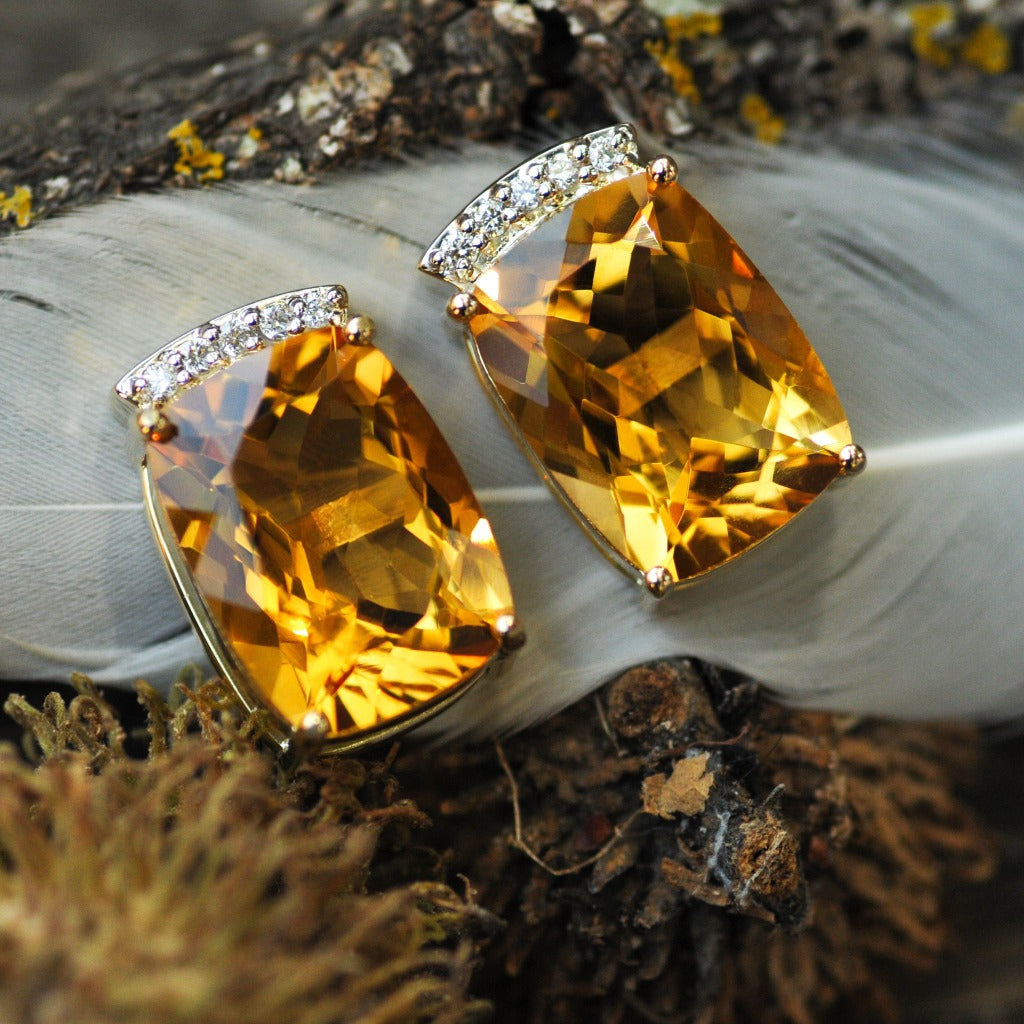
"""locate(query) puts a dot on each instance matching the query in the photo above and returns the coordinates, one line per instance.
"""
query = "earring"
(322, 536)
(656, 379)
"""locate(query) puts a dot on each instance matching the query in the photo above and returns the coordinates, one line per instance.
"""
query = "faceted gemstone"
(332, 536)
(658, 378)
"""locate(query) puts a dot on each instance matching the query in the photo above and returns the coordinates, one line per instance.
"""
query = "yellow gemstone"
(660, 381)
(332, 536)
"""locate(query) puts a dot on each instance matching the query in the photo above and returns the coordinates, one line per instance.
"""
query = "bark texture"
(385, 77)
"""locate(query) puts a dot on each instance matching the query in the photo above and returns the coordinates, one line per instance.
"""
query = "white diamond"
(563, 173)
(524, 193)
(161, 380)
(604, 153)
(487, 217)
(237, 334)
(279, 319)
(199, 355)
(319, 309)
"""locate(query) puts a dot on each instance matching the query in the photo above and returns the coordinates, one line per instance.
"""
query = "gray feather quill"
(900, 592)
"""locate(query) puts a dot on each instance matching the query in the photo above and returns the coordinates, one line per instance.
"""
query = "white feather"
(899, 592)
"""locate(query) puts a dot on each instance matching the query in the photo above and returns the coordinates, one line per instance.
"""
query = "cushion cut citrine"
(330, 533)
(658, 378)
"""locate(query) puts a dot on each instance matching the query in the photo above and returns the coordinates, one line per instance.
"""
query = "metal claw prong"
(852, 460)
(307, 738)
(154, 425)
(462, 306)
(360, 330)
(314, 726)
(662, 170)
(658, 581)
(510, 634)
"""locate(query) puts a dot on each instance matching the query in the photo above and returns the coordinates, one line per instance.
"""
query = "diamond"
(160, 380)
(658, 378)
(320, 307)
(280, 319)
(199, 355)
(238, 335)
(563, 172)
(525, 195)
(606, 153)
(336, 545)
(524, 198)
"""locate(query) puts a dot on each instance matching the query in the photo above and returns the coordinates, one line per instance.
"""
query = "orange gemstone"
(658, 378)
(332, 537)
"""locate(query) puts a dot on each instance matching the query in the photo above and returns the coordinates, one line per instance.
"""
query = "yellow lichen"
(193, 156)
(928, 21)
(17, 206)
(988, 48)
(768, 126)
(692, 26)
(680, 27)
(678, 71)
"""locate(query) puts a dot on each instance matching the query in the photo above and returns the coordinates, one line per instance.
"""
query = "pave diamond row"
(527, 196)
(227, 338)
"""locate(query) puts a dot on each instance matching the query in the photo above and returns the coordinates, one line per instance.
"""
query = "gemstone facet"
(657, 377)
(333, 541)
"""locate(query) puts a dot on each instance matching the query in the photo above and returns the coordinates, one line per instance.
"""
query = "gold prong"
(360, 330)
(307, 739)
(314, 725)
(658, 581)
(155, 426)
(852, 460)
(662, 170)
(510, 634)
(462, 306)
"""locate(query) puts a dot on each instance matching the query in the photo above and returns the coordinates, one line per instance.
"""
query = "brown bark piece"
(783, 864)
(685, 791)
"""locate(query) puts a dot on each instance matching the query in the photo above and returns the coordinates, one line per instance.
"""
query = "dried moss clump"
(678, 848)
(202, 884)
(682, 849)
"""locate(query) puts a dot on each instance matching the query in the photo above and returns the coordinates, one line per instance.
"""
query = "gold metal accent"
(663, 170)
(155, 426)
(510, 633)
(853, 460)
(312, 733)
(462, 306)
(658, 581)
(360, 330)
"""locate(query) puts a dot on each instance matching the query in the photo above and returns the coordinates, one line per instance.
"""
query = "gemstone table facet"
(657, 377)
(331, 534)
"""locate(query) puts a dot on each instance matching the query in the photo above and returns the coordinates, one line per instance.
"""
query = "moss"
(203, 883)
(678, 847)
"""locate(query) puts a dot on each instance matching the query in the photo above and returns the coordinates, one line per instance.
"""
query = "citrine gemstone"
(334, 541)
(658, 378)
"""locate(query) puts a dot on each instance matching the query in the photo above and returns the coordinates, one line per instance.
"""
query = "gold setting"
(325, 544)
(654, 376)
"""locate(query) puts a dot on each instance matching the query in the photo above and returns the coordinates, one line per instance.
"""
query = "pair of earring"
(324, 540)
